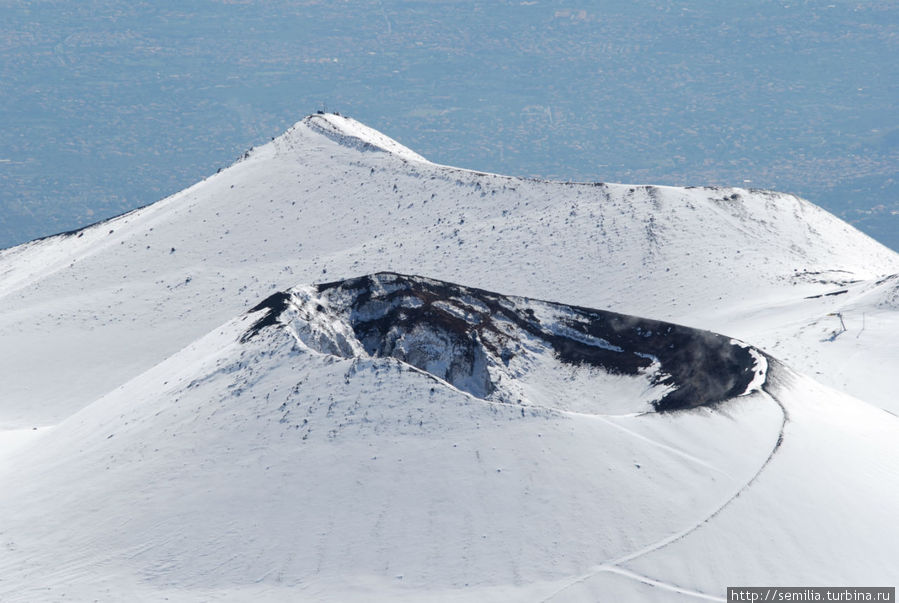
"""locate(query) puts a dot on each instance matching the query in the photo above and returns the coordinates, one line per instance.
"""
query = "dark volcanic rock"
(465, 335)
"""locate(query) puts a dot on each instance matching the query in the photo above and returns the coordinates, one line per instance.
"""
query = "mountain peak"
(348, 132)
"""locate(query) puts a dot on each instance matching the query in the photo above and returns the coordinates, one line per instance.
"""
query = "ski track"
(663, 585)
(614, 566)
(613, 569)
(652, 442)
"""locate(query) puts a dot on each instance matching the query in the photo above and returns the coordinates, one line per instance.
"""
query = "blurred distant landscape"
(109, 105)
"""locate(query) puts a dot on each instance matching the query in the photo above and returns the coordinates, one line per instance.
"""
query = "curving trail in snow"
(687, 531)
(615, 565)
(614, 569)
(658, 584)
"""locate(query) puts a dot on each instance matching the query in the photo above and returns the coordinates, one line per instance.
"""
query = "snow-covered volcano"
(400, 438)
(180, 420)
(516, 350)
(82, 312)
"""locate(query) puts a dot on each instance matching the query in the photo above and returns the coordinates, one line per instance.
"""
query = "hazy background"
(108, 105)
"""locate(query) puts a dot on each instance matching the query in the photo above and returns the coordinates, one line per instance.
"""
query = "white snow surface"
(147, 452)
(267, 470)
(349, 132)
(81, 314)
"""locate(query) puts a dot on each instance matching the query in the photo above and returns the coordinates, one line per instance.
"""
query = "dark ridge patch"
(810, 276)
(832, 294)
(820, 272)
(275, 304)
(79, 232)
(703, 368)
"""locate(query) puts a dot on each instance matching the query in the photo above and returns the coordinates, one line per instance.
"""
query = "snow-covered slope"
(83, 312)
(403, 438)
(317, 449)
